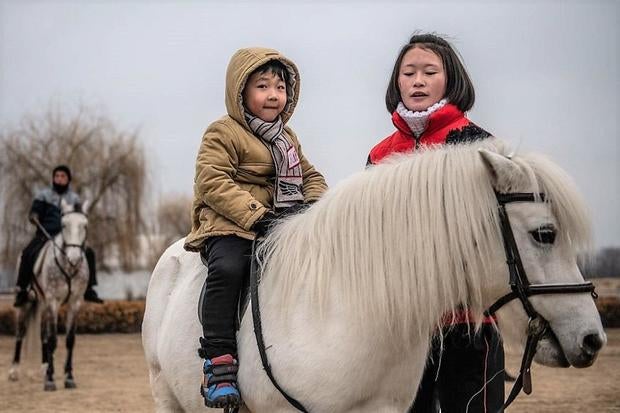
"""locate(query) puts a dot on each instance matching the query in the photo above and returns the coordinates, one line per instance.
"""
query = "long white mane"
(405, 239)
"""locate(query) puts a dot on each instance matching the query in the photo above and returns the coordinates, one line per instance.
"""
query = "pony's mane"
(404, 240)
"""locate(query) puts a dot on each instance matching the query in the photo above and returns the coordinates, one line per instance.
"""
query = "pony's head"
(74, 230)
(549, 236)
(401, 244)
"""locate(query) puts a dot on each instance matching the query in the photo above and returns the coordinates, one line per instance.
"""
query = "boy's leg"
(90, 294)
(472, 377)
(26, 265)
(228, 262)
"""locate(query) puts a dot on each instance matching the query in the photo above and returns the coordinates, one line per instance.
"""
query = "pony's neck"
(396, 246)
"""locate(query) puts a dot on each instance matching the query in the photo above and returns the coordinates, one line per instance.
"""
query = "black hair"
(459, 88)
(273, 66)
(62, 168)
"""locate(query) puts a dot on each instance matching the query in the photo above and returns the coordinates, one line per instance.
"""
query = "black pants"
(456, 377)
(92, 266)
(228, 261)
(29, 257)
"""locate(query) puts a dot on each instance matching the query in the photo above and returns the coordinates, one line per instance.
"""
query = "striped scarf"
(289, 180)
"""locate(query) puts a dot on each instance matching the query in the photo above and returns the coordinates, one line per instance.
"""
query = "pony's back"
(170, 323)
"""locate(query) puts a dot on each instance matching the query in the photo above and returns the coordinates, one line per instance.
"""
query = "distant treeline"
(605, 263)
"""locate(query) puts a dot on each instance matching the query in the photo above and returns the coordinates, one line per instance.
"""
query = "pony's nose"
(592, 343)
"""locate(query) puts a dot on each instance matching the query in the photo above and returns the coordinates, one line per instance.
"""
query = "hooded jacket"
(235, 173)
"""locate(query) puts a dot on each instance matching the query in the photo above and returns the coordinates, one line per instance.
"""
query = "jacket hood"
(241, 66)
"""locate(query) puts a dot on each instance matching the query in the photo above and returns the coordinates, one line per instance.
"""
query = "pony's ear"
(85, 206)
(504, 172)
(65, 207)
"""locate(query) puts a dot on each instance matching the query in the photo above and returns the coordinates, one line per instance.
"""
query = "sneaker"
(21, 298)
(91, 295)
(219, 384)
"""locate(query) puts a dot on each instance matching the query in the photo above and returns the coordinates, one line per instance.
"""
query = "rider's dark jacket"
(46, 206)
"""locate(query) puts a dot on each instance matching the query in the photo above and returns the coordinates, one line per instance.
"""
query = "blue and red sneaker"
(219, 384)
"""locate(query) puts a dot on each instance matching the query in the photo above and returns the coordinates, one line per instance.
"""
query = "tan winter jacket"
(234, 182)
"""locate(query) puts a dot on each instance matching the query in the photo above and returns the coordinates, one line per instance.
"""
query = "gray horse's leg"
(70, 342)
(20, 332)
(43, 342)
(50, 342)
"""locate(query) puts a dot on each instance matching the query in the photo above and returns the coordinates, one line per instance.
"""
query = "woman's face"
(421, 79)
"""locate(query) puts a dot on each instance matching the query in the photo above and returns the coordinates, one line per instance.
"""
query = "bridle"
(522, 289)
(74, 268)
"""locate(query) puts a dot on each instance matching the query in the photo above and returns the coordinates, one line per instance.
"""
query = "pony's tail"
(32, 339)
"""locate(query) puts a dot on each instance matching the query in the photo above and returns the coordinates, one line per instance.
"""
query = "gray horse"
(61, 277)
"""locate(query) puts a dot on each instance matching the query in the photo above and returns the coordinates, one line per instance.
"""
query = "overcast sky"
(546, 75)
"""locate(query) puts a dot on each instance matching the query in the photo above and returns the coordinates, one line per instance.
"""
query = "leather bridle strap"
(258, 330)
(75, 268)
(540, 289)
(518, 277)
(536, 328)
(522, 289)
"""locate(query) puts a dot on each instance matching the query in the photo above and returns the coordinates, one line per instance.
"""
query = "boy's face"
(264, 95)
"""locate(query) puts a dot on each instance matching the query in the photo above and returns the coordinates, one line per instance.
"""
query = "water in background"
(123, 285)
(115, 285)
(7, 281)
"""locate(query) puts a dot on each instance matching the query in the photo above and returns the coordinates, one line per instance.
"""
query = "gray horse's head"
(74, 231)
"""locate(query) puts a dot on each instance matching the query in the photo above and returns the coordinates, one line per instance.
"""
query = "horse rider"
(46, 214)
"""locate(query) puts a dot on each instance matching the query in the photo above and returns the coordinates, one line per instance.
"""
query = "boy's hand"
(293, 209)
(262, 226)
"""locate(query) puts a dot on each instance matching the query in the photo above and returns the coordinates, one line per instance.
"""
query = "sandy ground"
(112, 377)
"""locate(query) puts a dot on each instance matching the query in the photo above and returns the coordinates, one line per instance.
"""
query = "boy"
(249, 170)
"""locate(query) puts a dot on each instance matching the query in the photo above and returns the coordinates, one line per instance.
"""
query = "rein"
(522, 289)
(258, 330)
(74, 267)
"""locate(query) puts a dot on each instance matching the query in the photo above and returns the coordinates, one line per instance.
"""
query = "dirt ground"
(112, 377)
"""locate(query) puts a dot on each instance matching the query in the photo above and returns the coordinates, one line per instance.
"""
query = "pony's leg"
(165, 400)
(70, 342)
(20, 332)
(51, 340)
(44, 341)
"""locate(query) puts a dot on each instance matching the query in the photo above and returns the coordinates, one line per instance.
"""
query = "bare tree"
(174, 217)
(608, 262)
(171, 222)
(109, 169)
(605, 263)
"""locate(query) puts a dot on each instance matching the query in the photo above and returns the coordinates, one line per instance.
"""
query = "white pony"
(353, 289)
(61, 276)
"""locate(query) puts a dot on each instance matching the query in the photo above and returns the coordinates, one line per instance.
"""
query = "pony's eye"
(544, 234)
